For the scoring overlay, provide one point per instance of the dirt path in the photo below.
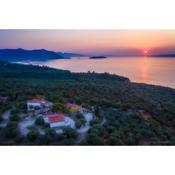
(83, 131)
(5, 117)
(24, 124)
(88, 117)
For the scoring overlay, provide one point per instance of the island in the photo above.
(98, 57)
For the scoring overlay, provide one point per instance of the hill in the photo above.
(21, 54)
(126, 113)
(33, 55)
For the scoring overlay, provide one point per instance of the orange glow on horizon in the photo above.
(100, 42)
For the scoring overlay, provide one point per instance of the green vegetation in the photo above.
(11, 130)
(40, 121)
(69, 136)
(119, 106)
(59, 107)
(32, 135)
(14, 118)
(79, 120)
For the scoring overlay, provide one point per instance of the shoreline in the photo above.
(135, 82)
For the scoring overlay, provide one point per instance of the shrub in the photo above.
(59, 107)
(94, 122)
(70, 133)
(14, 118)
(40, 121)
(32, 135)
(1, 119)
(15, 111)
(77, 124)
(93, 139)
(11, 130)
(79, 115)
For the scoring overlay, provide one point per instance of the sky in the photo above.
(92, 42)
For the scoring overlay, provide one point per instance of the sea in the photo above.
(149, 70)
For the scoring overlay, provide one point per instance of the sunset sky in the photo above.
(92, 42)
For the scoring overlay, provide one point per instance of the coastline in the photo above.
(115, 96)
(40, 63)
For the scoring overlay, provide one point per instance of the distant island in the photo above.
(164, 55)
(70, 55)
(98, 57)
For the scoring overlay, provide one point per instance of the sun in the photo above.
(145, 51)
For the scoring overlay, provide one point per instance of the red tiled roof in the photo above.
(35, 100)
(56, 118)
(70, 105)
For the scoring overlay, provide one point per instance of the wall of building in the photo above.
(33, 104)
(57, 124)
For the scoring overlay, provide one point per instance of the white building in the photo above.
(55, 120)
(38, 104)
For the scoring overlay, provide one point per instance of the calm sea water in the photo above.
(150, 70)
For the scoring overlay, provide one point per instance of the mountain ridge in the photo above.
(36, 54)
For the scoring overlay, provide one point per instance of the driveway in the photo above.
(5, 117)
(88, 117)
(69, 122)
(83, 130)
(24, 124)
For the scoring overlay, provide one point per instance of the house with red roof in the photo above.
(38, 105)
(74, 107)
(55, 120)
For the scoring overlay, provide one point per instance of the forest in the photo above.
(126, 113)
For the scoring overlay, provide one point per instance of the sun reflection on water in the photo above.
(144, 69)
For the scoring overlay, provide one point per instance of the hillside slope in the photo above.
(126, 113)
(22, 54)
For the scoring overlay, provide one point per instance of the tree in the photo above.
(94, 122)
(130, 139)
(83, 121)
(69, 141)
(19, 139)
(94, 139)
(77, 124)
(1, 119)
(80, 120)
(99, 129)
(15, 111)
(32, 135)
(49, 138)
(97, 111)
(42, 140)
(11, 130)
(70, 133)
(79, 115)
(115, 138)
(57, 107)
(50, 132)
(14, 118)
(40, 121)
